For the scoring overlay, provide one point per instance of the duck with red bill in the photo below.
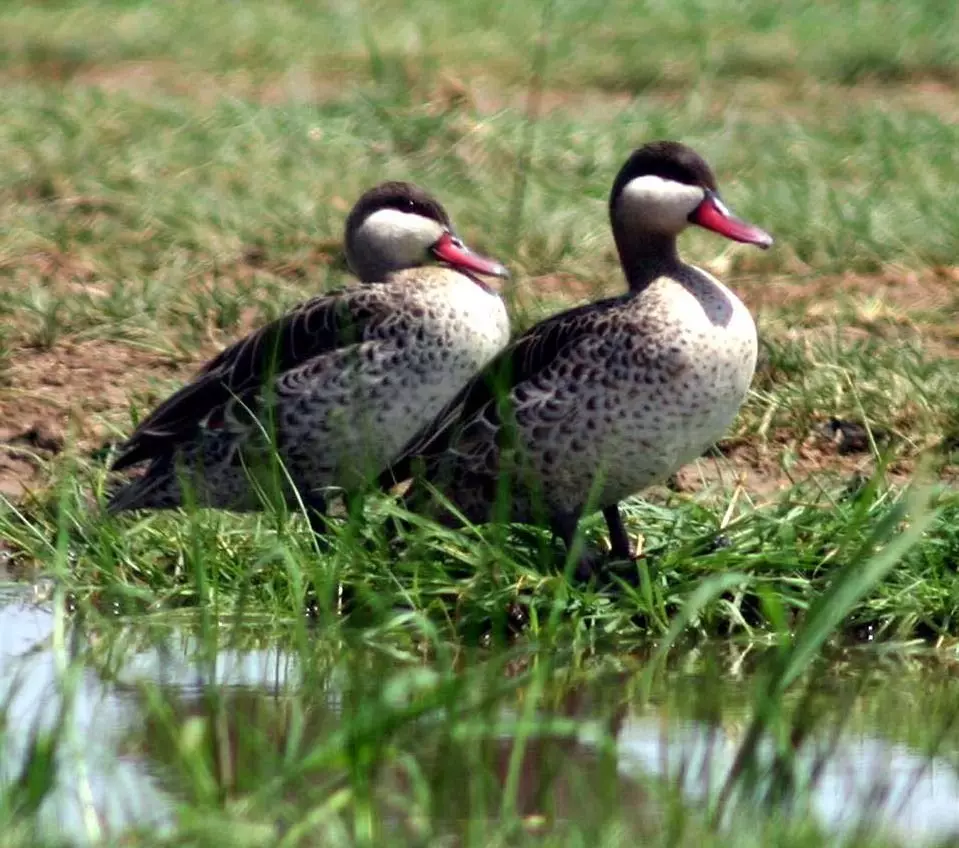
(337, 386)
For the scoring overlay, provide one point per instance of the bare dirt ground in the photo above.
(66, 397)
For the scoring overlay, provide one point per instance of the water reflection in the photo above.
(858, 781)
(98, 791)
(115, 768)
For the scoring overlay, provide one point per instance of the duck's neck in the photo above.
(373, 256)
(646, 257)
(372, 270)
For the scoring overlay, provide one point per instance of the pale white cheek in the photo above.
(400, 236)
(652, 203)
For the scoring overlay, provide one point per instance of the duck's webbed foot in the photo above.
(597, 563)
(623, 553)
(620, 547)
(591, 563)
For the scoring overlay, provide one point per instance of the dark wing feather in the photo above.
(527, 355)
(315, 327)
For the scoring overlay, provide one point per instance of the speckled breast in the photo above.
(445, 329)
(665, 381)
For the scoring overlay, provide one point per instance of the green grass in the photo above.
(397, 735)
(172, 175)
(615, 46)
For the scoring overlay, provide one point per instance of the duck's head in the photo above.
(664, 187)
(398, 225)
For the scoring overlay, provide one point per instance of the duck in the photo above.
(596, 403)
(338, 385)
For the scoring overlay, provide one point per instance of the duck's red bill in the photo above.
(713, 215)
(452, 251)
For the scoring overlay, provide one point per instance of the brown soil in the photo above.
(479, 91)
(757, 470)
(65, 398)
(897, 303)
(894, 294)
(66, 272)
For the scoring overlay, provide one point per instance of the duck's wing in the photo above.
(320, 325)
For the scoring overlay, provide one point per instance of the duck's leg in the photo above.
(564, 526)
(316, 507)
(619, 544)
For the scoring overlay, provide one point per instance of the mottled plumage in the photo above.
(342, 382)
(611, 396)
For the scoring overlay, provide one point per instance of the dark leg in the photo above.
(620, 549)
(619, 545)
(589, 564)
(564, 526)
(316, 511)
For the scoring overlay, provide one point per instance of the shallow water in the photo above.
(686, 733)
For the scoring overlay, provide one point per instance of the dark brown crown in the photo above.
(404, 197)
(669, 160)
